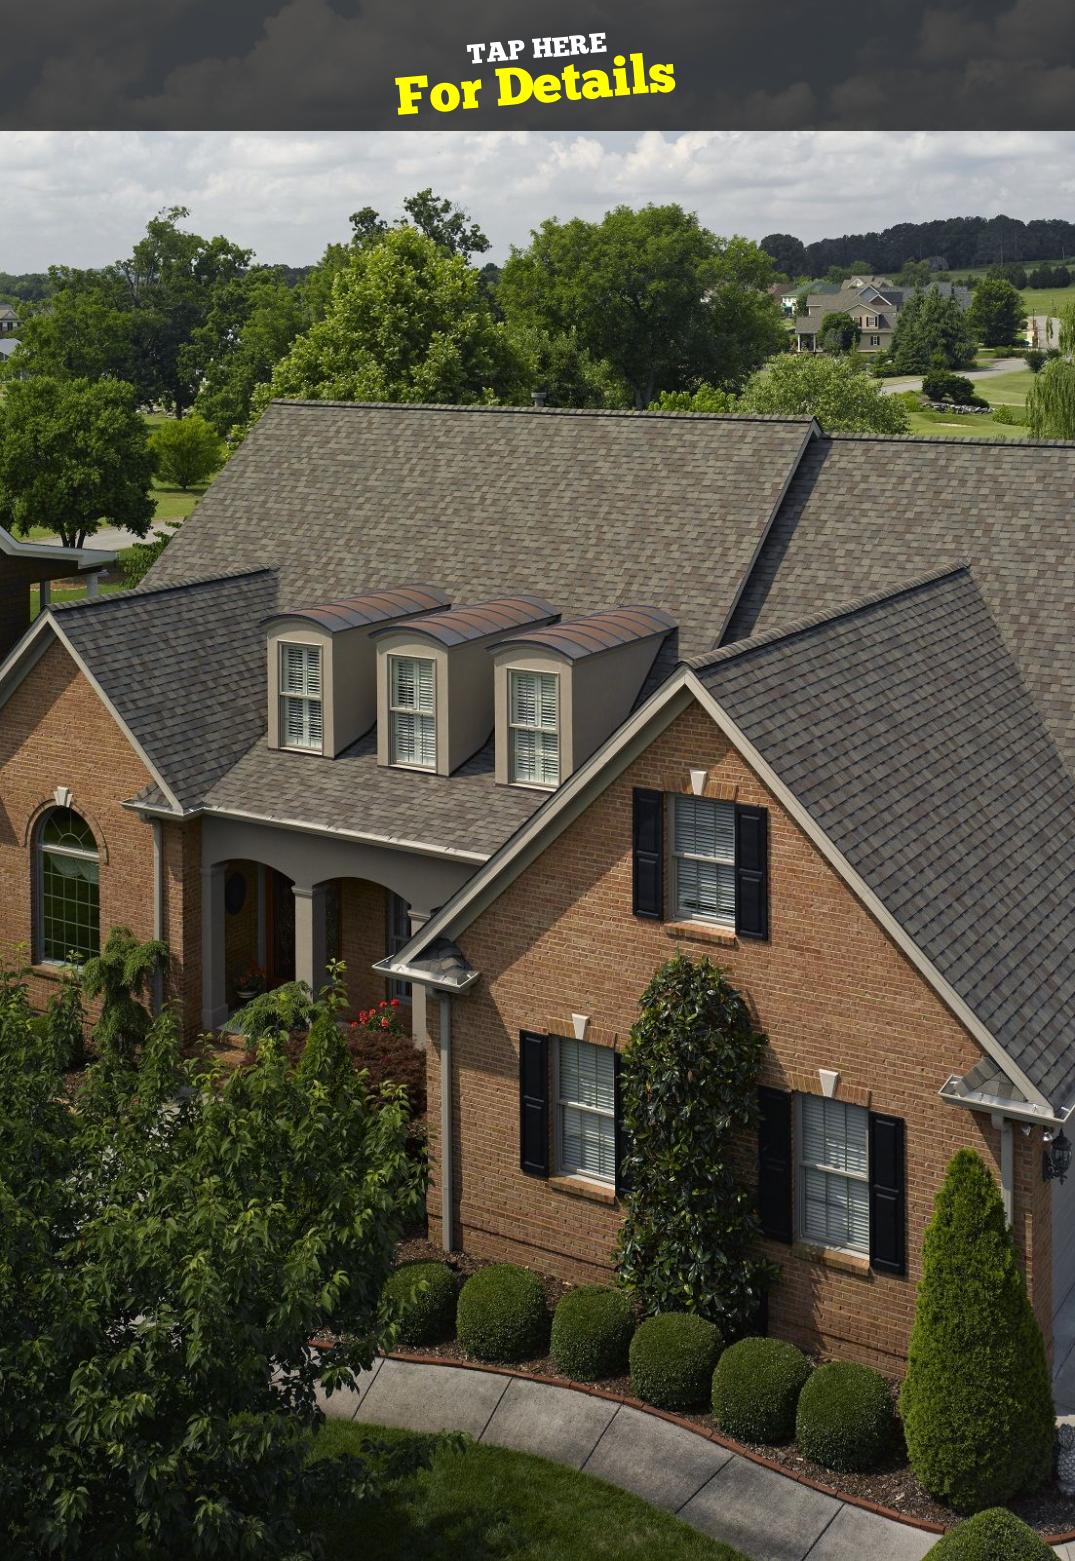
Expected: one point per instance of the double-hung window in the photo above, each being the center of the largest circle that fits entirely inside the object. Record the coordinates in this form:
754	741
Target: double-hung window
412	712
534	720
586	1110
834	1187
301	715
703	848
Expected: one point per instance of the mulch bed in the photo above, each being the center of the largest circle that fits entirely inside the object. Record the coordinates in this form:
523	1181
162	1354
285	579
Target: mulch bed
893	1487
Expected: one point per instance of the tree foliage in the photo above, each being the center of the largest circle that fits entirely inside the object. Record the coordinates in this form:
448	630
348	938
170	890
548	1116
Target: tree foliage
842	397
250	327
932	332
838	332
996	314
122	976
977	1399
1050	401
688	1089
74	454
650	292
187	451
167	1251
406	323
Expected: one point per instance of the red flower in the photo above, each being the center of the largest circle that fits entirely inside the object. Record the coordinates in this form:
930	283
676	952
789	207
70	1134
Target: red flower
395	1002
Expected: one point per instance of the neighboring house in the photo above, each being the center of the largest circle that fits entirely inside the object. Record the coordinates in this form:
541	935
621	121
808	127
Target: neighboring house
511	704
9	320
872	302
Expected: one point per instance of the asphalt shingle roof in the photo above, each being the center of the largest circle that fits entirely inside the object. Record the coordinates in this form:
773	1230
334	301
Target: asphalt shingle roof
590	510
466	811
185	668
905	729
864	514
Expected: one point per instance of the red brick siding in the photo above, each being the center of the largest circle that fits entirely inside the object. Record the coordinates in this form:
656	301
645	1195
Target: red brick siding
829	988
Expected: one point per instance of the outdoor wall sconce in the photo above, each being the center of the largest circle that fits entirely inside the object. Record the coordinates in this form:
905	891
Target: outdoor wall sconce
1055	1157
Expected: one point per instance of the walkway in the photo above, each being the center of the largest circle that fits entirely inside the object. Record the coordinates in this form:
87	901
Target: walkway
889	387
768	1516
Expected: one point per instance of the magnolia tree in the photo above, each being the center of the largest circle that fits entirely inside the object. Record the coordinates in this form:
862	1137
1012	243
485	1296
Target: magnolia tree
689	1091
169	1244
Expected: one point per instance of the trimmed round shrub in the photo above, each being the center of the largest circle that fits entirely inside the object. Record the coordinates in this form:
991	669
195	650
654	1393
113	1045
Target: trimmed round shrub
501	1315
756	1389
591	1332
993	1535
422	1296
845	1420
672	1357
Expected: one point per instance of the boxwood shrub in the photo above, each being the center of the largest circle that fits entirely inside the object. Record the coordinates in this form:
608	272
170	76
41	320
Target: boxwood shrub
756	1389
422	1296
591	1332
845	1419
672	1357
501	1315
993	1535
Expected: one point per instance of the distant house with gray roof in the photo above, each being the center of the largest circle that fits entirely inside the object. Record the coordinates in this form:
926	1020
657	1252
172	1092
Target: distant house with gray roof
874	304
504	707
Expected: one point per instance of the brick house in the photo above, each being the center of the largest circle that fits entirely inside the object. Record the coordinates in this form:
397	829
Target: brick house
503	706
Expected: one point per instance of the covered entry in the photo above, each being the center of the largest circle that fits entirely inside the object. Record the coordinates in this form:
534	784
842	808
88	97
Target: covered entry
1064	1295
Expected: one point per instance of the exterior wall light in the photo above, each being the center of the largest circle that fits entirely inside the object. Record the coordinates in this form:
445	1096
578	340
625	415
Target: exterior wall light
1056	1157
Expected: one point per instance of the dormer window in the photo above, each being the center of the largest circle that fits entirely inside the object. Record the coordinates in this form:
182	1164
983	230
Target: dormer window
534	722
412	712
301	714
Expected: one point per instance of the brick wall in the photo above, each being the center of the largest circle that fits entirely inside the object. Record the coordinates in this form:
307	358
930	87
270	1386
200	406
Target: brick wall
55	731
829	988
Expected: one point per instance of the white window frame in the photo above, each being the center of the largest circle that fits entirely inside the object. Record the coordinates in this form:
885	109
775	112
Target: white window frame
802	1165
685	912
398	912
307	700
539	730
563	1166
77	853
411	710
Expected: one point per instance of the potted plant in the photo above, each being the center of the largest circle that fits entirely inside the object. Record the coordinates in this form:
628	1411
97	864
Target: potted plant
249	984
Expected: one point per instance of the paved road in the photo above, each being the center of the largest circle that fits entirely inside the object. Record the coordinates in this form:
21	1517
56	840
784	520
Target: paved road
910	382
766	1515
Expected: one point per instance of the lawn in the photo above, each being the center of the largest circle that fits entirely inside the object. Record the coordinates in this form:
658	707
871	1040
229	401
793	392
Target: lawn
1007	389
489	1504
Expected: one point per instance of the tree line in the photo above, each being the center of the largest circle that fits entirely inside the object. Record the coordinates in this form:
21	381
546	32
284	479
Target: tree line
955	242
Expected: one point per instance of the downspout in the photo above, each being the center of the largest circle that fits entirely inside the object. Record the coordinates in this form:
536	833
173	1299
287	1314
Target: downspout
446	1156
1007	1165
158	909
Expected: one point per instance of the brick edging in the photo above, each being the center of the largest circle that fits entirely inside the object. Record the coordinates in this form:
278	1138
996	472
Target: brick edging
592	1391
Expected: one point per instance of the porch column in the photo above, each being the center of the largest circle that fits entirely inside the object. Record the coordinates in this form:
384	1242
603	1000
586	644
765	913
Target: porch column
311	945
214	986
419	1008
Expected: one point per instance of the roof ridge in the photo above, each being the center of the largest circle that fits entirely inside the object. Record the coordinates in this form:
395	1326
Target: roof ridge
708	658
545	411
993	440
138	593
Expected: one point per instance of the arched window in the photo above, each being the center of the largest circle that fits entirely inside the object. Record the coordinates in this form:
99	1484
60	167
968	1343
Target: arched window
69	922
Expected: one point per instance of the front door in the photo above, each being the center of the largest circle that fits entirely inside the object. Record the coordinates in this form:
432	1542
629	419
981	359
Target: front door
280	940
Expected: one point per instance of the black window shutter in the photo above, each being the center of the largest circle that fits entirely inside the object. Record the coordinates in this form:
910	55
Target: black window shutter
752	872
774	1163
534	1103
623	1181
648	847
888	1195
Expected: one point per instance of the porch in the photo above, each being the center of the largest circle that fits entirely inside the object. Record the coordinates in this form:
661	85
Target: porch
283	904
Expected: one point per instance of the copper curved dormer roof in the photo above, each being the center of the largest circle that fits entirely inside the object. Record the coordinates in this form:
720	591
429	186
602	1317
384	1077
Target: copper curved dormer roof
578	637
482	619
358	612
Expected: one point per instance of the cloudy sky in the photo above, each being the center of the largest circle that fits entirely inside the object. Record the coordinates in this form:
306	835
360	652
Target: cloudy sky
81	198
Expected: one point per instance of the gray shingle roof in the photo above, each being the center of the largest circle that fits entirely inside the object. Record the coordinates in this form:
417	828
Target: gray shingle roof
466	811
864	514
590	509
905	730
185	668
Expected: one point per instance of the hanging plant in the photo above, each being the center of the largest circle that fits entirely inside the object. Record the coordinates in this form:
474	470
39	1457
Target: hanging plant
688	1095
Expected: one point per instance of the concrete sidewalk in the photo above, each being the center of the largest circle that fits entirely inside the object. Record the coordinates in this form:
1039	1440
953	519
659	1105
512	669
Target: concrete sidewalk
768	1516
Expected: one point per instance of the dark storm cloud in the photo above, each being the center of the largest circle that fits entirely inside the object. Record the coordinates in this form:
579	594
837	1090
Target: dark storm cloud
744	64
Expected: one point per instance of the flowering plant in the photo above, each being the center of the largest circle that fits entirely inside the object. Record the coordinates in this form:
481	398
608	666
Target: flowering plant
252	979
384	1018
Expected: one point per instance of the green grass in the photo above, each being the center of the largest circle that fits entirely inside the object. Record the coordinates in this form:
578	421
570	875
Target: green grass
489	1504
1046	300
1007	389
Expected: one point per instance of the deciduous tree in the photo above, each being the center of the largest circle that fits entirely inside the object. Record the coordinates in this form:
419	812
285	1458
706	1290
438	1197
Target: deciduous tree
996	313
74	454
